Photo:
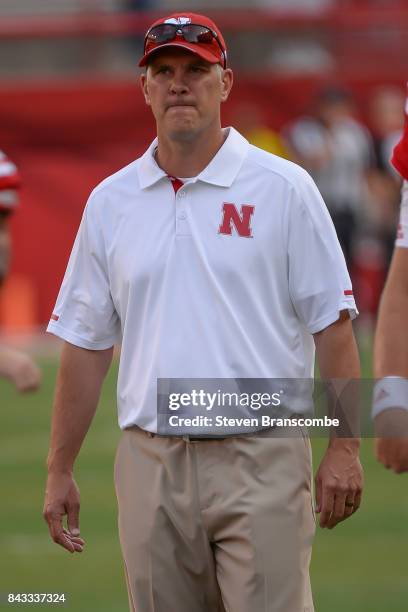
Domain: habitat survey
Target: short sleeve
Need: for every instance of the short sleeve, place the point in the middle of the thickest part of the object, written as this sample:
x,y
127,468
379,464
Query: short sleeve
x,y
319,283
84,313
402,231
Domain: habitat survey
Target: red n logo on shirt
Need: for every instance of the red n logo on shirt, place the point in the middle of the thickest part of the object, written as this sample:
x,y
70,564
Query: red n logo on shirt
x,y
241,221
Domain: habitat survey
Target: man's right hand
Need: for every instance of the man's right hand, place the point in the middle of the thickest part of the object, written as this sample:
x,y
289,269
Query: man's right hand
x,y
79,382
62,498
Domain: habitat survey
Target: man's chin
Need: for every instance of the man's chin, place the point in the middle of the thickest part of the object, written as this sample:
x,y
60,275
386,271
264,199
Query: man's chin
x,y
183,132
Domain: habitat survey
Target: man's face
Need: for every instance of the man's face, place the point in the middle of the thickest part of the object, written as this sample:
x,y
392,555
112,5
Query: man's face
x,y
184,92
5,245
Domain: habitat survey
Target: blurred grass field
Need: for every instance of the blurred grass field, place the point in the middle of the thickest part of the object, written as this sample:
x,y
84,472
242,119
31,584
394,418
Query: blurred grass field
x,y
361,566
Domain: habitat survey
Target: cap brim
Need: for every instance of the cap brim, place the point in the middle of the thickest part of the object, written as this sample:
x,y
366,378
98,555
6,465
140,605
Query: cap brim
x,y
194,48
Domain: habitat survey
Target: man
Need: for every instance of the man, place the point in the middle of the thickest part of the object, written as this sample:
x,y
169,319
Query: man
x,y
208,259
15,366
390,408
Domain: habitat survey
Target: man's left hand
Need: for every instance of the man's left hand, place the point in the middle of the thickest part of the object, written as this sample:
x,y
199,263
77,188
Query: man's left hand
x,y
339,482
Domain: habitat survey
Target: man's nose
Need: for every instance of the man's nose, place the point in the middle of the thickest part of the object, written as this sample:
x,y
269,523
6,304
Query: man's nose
x,y
178,84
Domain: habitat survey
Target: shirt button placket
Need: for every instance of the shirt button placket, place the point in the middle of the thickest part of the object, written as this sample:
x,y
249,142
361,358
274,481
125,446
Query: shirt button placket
x,y
182,227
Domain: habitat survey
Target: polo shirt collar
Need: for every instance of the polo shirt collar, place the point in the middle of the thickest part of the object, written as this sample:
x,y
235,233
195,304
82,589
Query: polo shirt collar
x,y
221,171
226,163
149,172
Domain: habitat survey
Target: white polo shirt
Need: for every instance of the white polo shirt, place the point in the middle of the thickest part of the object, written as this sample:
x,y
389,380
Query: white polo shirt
x,y
230,277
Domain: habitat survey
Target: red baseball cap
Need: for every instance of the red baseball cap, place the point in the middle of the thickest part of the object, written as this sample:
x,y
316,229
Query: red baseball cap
x,y
214,51
9,184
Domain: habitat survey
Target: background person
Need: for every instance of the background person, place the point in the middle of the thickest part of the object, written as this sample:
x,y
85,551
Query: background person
x,y
390,409
386,116
15,366
337,151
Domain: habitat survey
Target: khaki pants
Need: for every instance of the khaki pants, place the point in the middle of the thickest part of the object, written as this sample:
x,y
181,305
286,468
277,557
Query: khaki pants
x,y
217,525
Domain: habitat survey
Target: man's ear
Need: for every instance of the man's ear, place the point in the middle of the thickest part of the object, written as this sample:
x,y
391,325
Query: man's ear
x,y
227,79
143,85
